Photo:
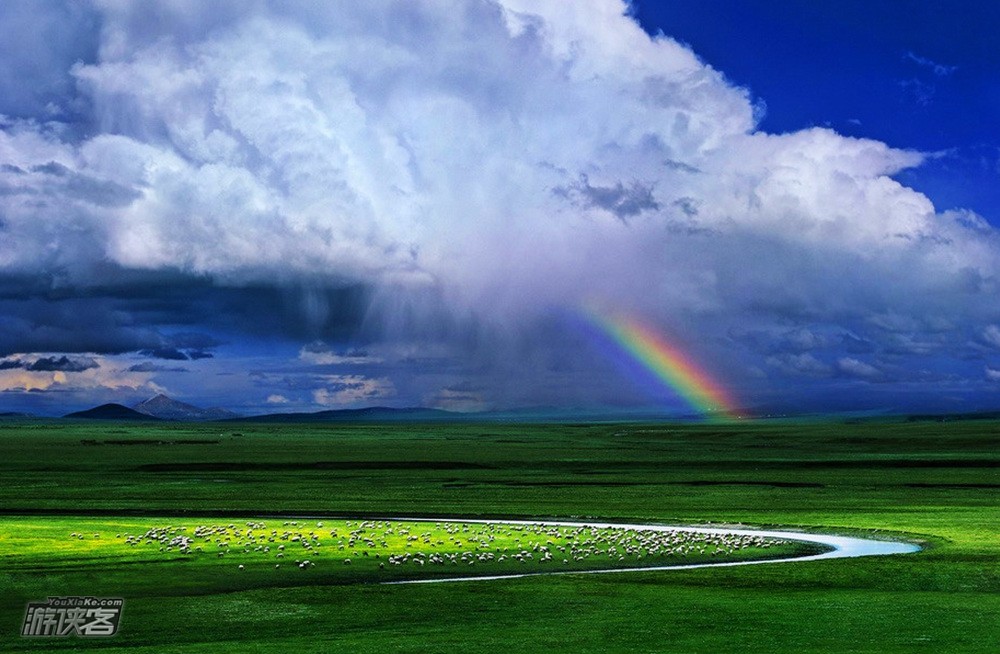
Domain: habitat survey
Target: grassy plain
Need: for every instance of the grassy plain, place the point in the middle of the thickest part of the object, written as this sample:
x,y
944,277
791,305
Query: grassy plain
x,y
936,483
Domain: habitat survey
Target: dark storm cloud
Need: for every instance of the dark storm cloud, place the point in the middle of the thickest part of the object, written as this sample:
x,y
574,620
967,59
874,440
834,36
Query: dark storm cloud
x,y
119,312
78,325
63,364
292,311
166,313
168,353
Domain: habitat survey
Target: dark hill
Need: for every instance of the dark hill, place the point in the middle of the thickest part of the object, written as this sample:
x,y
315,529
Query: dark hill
x,y
110,412
9,415
367,414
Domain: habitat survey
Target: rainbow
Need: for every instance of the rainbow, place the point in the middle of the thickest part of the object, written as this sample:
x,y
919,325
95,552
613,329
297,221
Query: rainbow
x,y
666,362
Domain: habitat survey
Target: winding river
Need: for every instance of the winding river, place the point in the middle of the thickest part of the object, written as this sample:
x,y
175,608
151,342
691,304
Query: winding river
x,y
838,547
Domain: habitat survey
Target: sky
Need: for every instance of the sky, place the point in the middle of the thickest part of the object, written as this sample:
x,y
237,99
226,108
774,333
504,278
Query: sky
x,y
295,206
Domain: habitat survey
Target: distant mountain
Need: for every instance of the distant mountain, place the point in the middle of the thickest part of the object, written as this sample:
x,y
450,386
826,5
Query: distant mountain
x,y
110,412
162,407
165,408
12,415
423,414
367,414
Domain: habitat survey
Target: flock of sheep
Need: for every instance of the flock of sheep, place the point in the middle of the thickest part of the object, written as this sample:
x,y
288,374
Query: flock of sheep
x,y
401,543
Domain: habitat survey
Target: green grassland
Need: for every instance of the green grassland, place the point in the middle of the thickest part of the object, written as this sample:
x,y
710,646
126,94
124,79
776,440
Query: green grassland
x,y
137,554
935,483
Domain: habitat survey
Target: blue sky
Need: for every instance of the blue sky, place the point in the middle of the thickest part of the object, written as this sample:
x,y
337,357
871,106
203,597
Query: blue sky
x,y
295,206
923,77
